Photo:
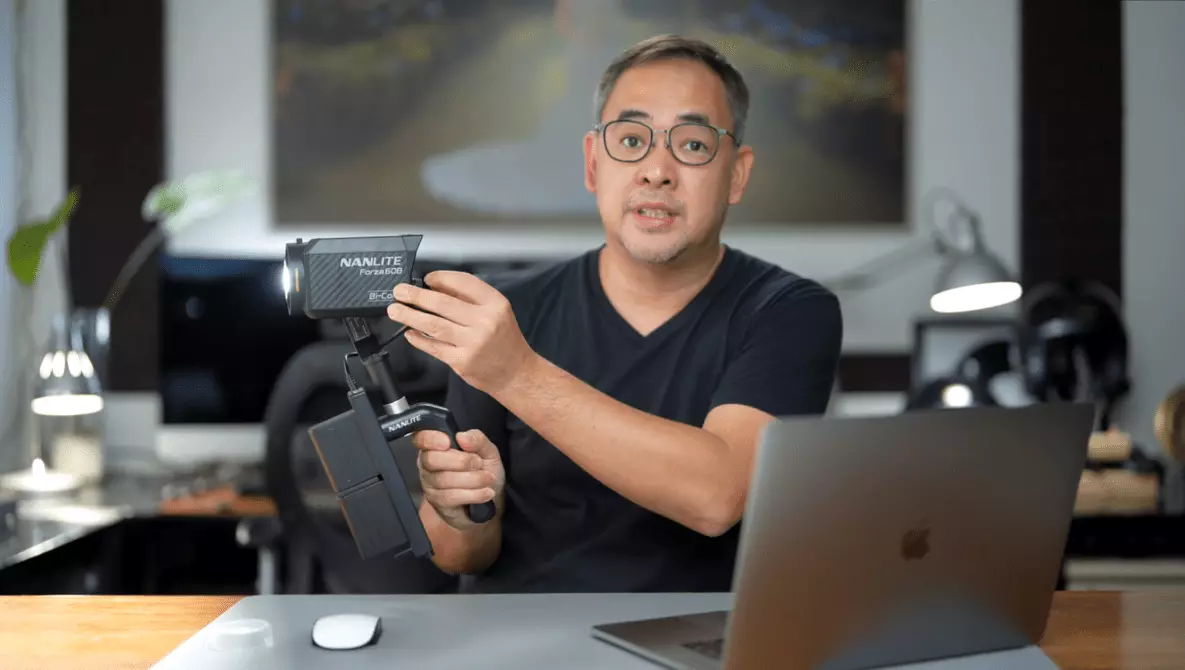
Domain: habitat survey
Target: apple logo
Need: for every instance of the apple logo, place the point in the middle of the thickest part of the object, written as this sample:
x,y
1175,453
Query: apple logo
x,y
915,544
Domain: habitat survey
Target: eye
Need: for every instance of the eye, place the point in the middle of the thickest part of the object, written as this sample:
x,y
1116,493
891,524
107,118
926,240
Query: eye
x,y
632,141
695,145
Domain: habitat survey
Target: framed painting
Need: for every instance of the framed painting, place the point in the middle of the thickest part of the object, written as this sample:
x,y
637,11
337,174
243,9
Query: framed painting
x,y
473,111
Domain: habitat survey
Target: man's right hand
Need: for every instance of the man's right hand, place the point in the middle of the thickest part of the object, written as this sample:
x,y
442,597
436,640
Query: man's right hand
x,y
452,479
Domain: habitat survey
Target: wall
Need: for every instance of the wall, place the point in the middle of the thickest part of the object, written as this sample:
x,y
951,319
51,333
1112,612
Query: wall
x,y
32,167
9,190
964,107
1154,204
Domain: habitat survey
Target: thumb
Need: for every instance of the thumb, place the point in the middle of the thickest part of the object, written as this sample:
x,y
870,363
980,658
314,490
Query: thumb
x,y
430,440
476,442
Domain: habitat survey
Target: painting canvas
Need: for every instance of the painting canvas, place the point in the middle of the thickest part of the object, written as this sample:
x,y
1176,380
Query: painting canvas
x,y
473,111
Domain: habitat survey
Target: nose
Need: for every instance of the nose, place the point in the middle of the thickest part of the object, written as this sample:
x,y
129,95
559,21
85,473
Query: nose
x,y
659,168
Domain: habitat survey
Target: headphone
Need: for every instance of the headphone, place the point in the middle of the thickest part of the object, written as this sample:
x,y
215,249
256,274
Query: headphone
x,y
1069,325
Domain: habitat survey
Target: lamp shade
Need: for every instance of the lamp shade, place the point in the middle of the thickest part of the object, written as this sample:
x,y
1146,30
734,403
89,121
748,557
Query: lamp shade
x,y
971,277
66,382
973,281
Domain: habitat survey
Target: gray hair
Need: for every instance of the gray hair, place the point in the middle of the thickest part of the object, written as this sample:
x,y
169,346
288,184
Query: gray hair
x,y
669,47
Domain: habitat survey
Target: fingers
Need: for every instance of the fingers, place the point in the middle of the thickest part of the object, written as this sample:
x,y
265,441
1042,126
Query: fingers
x,y
446,498
450,461
431,440
444,480
436,327
436,302
442,351
435,440
436,452
452,478
476,442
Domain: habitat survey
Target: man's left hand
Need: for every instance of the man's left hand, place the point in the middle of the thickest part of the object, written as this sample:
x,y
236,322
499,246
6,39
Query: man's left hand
x,y
466,324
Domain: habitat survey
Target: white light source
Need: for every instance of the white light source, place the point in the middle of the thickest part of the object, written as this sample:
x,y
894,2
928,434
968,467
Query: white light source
x,y
975,297
39,479
68,405
956,395
972,278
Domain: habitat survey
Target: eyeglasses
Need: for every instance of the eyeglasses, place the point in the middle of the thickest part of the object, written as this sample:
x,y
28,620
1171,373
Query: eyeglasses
x,y
629,141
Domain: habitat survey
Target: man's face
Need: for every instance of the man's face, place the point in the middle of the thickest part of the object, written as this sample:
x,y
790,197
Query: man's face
x,y
657,208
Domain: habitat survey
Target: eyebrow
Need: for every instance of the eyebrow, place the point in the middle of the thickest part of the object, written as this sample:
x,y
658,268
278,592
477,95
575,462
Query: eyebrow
x,y
693,117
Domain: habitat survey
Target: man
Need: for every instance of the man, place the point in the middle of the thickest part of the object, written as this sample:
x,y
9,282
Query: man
x,y
611,405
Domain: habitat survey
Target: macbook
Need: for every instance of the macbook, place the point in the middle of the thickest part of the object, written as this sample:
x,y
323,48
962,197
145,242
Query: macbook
x,y
920,538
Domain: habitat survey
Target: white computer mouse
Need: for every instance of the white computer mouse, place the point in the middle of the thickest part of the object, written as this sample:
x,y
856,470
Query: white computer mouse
x,y
341,632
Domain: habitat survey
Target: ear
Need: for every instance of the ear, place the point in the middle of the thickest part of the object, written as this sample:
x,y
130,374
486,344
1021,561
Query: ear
x,y
590,161
741,168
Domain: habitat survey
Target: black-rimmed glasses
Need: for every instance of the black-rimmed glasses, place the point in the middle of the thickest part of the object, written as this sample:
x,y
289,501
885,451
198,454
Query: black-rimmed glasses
x,y
629,141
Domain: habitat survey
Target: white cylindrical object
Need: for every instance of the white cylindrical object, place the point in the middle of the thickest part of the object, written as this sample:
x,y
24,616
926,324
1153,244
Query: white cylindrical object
x,y
240,634
78,454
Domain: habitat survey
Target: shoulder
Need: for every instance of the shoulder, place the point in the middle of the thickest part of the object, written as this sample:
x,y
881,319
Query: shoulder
x,y
785,336
762,289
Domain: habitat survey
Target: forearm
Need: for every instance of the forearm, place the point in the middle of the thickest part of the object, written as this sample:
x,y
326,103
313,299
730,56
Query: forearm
x,y
462,552
680,471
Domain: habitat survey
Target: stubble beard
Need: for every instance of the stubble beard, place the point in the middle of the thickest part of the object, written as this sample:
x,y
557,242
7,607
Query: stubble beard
x,y
675,245
646,251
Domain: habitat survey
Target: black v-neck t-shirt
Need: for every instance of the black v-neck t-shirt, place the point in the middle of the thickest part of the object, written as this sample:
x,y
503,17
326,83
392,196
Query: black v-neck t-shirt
x,y
756,335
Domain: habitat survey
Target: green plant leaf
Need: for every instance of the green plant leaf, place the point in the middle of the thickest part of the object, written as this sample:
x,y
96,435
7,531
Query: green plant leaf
x,y
164,201
197,196
27,242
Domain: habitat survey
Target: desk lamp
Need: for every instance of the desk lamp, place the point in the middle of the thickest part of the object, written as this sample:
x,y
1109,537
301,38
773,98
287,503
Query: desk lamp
x,y
66,386
971,278
66,381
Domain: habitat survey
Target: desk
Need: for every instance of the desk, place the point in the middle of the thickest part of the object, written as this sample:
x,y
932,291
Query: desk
x,y
44,524
132,534
1087,631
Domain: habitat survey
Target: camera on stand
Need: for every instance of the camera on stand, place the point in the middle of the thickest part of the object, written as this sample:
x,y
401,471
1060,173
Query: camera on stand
x,y
352,279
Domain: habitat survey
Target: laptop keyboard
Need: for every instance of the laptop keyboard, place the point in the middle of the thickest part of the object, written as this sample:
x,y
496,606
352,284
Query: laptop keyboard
x,y
713,649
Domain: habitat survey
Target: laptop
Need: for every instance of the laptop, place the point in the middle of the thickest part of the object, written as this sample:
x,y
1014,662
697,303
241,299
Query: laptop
x,y
890,541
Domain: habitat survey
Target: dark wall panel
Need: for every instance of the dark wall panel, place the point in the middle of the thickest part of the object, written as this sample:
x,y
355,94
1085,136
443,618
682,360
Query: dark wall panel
x,y
1072,141
1071,159
115,154
874,373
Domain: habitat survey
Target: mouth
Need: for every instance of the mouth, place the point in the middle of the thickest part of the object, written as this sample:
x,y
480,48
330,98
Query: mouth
x,y
654,214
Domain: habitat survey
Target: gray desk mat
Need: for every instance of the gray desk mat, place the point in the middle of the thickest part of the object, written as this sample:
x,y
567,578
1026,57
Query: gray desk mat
x,y
454,632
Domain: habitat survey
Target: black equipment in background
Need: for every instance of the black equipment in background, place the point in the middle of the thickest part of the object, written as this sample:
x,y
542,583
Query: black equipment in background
x,y
1075,345
965,362
970,385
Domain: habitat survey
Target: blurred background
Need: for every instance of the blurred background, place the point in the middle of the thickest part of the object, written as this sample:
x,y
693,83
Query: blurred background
x,y
893,138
